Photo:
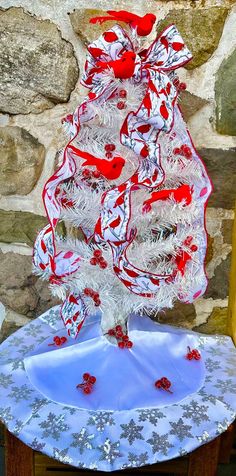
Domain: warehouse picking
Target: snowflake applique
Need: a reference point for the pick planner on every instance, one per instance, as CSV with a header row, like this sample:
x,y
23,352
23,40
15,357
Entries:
x,y
16,341
54,426
131,431
61,455
180,430
25,349
152,415
5,380
100,420
5,415
109,451
18,365
136,460
71,410
33,330
18,427
222,426
226,386
82,440
52,317
20,393
212,365
197,413
204,438
160,443
36,445
38,403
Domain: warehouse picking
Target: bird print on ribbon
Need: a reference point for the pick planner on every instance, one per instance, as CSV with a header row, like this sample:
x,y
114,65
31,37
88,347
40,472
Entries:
x,y
143,25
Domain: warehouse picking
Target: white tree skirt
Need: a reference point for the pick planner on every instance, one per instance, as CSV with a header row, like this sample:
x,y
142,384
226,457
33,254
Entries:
x,y
125,421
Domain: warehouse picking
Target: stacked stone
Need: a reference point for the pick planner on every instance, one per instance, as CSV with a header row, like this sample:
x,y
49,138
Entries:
x,y
42,46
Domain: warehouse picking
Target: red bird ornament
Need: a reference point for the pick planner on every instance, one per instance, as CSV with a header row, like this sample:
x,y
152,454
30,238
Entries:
x,y
143,25
110,169
123,67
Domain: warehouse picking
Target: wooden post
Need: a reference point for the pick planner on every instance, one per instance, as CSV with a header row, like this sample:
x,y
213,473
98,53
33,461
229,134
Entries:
x,y
232,287
19,459
204,460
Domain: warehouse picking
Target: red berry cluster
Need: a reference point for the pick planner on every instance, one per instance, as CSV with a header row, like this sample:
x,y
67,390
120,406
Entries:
x,y
184,150
59,340
109,148
164,384
94,295
188,241
179,85
88,174
98,259
88,383
68,118
122,339
121,104
193,354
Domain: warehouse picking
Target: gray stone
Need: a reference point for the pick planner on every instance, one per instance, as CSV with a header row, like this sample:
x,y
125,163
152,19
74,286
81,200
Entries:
x,y
201,30
182,315
86,31
216,322
221,166
225,93
38,67
227,230
20,227
19,289
190,104
21,161
218,286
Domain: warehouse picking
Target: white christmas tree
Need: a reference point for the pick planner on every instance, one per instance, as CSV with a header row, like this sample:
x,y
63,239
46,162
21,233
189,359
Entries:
x,y
131,181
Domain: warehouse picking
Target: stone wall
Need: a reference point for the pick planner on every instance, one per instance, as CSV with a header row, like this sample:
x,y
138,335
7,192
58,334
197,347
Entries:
x,y
42,50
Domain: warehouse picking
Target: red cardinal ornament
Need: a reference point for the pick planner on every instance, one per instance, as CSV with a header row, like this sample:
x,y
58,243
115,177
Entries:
x,y
123,67
143,25
110,169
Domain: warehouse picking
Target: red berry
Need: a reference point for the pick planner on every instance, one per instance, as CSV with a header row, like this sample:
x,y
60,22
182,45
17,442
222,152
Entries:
x,y
111,332
97,253
158,384
176,82
129,344
122,93
86,173
121,105
103,264
108,155
96,174
97,303
93,261
188,240
121,344
92,380
119,334
125,338
95,296
86,376
57,340
189,356
118,328
63,340
87,389
176,151
194,248
196,354
182,86
109,147
88,291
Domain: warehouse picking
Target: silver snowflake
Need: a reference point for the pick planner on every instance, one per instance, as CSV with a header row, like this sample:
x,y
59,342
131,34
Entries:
x,y
38,403
109,451
33,330
222,426
152,415
136,460
18,365
25,349
52,317
16,341
54,426
100,420
5,380
197,413
160,443
71,410
131,431
5,415
61,455
215,352
20,393
82,440
212,365
204,438
180,429
207,397
226,386
18,427
36,445
230,371
182,452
